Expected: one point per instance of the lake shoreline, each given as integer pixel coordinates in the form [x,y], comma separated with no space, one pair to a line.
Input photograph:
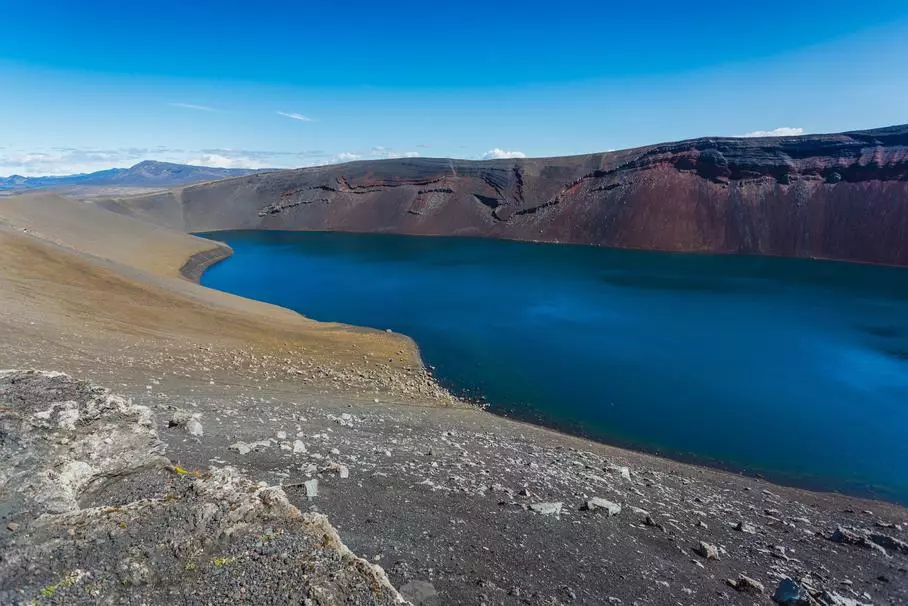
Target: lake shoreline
[417,267]
[196,265]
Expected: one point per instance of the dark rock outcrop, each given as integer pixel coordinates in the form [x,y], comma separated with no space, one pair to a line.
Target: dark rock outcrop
[841,196]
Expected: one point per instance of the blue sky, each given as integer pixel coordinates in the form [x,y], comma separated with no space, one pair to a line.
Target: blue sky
[90,85]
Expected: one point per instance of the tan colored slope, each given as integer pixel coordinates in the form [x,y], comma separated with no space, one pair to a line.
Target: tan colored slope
[80,284]
[91,230]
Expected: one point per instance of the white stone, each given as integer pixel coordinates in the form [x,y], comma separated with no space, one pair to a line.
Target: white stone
[547,509]
[240,447]
[609,507]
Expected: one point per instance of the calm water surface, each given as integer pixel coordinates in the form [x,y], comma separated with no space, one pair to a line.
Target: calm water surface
[793,369]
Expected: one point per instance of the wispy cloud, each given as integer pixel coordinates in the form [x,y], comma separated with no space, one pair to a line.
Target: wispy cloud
[200,108]
[784,131]
[295,116]
[346,157]
[219,161]
[380,152]
[502,154]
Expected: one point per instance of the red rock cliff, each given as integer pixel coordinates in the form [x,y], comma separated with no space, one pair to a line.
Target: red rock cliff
[842,196]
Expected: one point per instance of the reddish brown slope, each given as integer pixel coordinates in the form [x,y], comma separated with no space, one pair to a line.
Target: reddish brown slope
[840,196]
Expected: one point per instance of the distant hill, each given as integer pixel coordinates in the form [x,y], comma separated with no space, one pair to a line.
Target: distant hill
[144,174]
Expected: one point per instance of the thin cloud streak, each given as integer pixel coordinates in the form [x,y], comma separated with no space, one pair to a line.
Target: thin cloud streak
[193,106]
[295,116]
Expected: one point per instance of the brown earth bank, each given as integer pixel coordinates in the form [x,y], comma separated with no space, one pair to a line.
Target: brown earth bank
[839,196]
[254,456]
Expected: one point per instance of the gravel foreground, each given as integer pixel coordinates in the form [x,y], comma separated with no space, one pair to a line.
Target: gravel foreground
[454,507]
[95,514]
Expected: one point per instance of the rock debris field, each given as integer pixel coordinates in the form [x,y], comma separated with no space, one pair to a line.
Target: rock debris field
[259,498]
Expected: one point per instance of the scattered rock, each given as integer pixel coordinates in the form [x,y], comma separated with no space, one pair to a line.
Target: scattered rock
[849,537]
[240,447]
[547,509]
[186,420]
[12,527]
[778,551]
[609,507]
[419,593]
[649,521]
[889,542]
[830,598]
[789,593]
[621,470]
[298,447]
[311,488]
[743,526]
[342,471]
[746,584]
[705,550]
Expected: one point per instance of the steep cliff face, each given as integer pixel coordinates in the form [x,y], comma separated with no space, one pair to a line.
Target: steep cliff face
[841,196]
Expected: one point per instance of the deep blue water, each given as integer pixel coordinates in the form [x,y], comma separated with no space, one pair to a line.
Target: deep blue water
[793,369]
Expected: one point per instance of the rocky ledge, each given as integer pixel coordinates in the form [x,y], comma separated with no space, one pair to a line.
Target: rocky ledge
[94,513]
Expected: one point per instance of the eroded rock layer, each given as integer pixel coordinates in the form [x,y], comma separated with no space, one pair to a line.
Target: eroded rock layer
[842,196]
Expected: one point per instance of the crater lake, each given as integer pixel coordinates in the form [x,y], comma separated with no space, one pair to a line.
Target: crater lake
[793,369]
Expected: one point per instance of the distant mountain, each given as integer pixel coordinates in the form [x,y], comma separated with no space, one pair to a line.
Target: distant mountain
[144,174]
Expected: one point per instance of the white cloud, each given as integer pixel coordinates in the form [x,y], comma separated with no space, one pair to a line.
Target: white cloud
[295,116]
[57,161]
[784,131]
[201,108]
[501,154]
[219,161]
[346,157]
